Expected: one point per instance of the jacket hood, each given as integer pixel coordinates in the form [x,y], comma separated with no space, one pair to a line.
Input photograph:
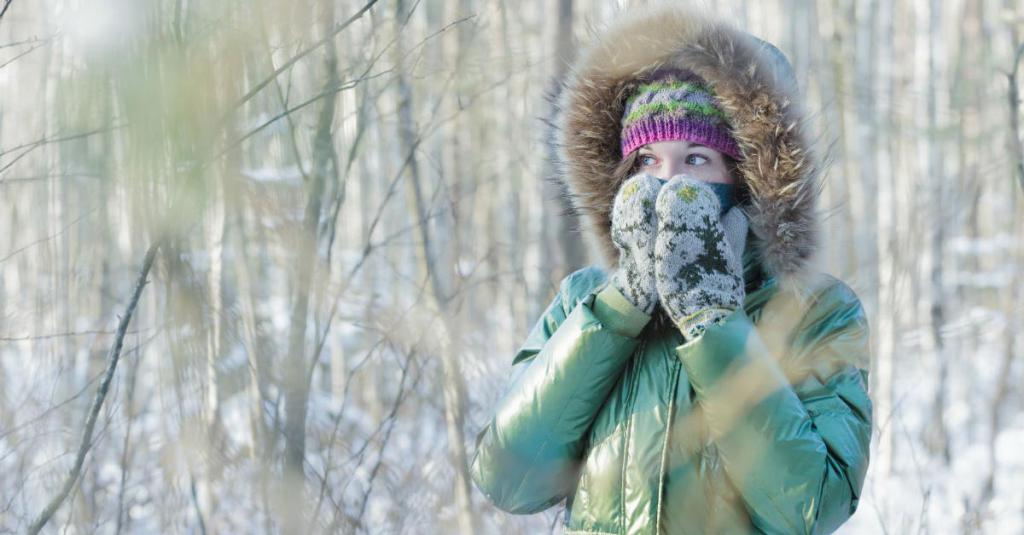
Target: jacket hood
[755,87]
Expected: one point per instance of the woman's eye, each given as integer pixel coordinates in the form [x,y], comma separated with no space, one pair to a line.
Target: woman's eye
[696,159]
[646,159]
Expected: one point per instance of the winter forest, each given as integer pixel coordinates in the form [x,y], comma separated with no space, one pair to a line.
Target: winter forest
[264,265]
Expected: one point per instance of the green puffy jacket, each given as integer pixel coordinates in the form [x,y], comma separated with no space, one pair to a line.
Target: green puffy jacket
[760,425]
[645,435]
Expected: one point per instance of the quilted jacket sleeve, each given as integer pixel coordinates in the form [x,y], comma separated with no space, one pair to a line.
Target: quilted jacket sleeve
[528,455]
[793,431]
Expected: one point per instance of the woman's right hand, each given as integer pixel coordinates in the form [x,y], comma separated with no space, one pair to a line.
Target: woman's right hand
[634,230]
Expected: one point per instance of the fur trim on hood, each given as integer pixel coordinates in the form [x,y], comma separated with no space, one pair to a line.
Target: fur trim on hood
[755,87]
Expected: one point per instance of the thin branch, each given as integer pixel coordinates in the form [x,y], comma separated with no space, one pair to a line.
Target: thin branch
[101,394]
[338,88]
[126,452]
[28,41]
[48,238]
[7,4]
[33,420]
[19,56]
[38,178]
[315,98]
[286,65]
[29,147]
[392,418]
[63,335]
[195,503]
[1014,97]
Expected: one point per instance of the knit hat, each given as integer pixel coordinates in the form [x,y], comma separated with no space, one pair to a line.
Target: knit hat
[675,105]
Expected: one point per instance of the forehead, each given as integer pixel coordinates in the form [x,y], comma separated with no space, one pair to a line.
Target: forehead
[668,147]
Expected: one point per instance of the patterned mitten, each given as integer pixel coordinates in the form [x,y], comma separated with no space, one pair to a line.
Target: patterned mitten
[634,227]
[698,273]
[736,224]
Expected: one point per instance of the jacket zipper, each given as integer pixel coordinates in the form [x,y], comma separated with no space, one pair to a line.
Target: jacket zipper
[669,419]
[631,396]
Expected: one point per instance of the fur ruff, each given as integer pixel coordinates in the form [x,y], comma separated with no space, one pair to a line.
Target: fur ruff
[752,82]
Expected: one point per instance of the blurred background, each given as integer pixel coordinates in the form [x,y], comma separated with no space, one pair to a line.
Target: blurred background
[341,214]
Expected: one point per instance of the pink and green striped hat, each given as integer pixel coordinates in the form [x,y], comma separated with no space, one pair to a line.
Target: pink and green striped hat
[676,105]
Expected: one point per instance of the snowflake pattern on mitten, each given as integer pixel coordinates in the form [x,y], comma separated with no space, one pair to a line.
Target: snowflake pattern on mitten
[698,274]
[634,227]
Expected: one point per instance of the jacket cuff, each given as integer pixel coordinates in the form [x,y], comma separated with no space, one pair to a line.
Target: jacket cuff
[618,314]
[726,347]
[695,324]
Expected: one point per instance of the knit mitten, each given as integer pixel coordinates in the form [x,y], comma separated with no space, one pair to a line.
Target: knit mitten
[736,224]
[698,273]
[634,227]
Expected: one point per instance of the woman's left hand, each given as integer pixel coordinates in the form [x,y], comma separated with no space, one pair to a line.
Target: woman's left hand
[698,274]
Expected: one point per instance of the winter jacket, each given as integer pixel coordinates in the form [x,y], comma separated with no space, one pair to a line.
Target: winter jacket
[760,425]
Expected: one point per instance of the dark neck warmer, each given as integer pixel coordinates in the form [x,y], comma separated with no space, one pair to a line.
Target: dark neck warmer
[726,195]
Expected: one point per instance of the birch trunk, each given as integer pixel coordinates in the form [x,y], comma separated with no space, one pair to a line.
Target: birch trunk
[440,278]
[886,208]
[297,375]
[937,436]
[563,246]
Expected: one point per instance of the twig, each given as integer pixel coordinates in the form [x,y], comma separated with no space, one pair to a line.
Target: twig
[50,237]
[32,421]
[195,503]
[62,335]
[337,88]
[19,56]
[7,4]
[316,98]
[27,148]
[286,65]
[101,394]
[389,420]
[1014,97]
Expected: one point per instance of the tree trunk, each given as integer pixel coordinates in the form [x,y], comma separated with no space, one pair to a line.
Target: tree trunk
[296,376]
[563,245]
[936,435]
[439,295]
[886,208]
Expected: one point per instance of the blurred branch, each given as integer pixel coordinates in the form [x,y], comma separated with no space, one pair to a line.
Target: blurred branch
[50,237]
[3,11]
[101,394]
[29,147]
[391,419]
[1003,385]
[283,98]
[40,178]
[296,382]
[387,422]
[334,89]
[312,100]
[286,65]
[19,56]
[62,335]
[386,334]
[126,451]
[1014,97]
[24,42]
[195,503]
[38,418]
[31,421]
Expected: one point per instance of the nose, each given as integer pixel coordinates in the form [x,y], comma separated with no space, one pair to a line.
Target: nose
[675,167]
[669,168]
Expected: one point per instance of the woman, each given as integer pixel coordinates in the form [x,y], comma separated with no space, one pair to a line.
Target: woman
[703,378]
